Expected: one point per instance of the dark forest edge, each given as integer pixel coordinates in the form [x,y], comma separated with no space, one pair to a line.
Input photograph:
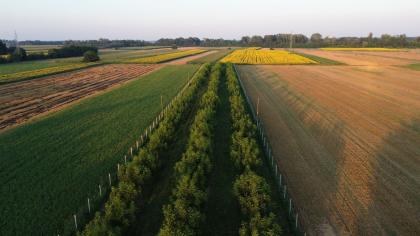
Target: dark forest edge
[281,40]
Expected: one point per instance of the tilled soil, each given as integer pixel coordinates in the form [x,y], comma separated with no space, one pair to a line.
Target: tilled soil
[348,140]
[360,58]
[23,100]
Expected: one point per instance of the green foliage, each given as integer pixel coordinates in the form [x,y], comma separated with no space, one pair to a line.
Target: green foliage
[120,208]
[252,190]
[90,56]
[59,160]
[182,216]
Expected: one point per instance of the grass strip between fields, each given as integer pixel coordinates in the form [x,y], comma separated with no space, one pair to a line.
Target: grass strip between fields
[320,60]
[60,159]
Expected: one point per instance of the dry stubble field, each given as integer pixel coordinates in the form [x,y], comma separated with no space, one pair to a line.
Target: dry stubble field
[347,139]
[21,101]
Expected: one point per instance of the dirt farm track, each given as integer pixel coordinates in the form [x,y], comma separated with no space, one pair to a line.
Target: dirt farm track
[21,101]
[348,140]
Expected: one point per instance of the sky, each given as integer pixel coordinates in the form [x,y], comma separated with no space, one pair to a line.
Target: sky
[229,19]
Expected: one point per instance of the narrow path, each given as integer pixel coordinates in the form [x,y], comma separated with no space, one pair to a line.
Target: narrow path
[222,209]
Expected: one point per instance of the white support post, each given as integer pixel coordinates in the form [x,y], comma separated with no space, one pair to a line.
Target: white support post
[276,169]
[280,180]
[75,221]
[290,206]
[118,167]
[296,222]
[131,151]
[109,178]
[89,205]
[100,190]
[137,145]
[125,159]
[284,191]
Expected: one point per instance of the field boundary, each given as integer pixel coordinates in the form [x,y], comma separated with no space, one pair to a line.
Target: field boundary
[95,203]
[293,212]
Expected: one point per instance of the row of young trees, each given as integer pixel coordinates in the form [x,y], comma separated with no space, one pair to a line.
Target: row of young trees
[182,216]
[120,208]
[251,189]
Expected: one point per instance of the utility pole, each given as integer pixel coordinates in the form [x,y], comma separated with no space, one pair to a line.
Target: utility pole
[291,41]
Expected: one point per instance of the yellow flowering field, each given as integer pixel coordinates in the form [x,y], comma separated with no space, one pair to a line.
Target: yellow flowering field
[364,49]
[4,78]
[266,57]
[166,57]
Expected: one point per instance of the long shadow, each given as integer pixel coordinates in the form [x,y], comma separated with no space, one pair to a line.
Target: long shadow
[395,188]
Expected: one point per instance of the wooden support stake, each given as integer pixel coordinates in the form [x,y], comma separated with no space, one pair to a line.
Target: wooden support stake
[296,223]
[258,106]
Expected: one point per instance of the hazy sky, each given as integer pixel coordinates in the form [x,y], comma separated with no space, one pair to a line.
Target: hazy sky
[153,19]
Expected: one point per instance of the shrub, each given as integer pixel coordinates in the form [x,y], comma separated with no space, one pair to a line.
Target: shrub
[90,56]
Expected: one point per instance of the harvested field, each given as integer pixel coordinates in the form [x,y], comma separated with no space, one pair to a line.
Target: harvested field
[185,60]
[366,58]
[348,140]
[21,101]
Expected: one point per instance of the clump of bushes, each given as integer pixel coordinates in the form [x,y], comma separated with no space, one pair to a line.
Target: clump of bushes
[252,190]
[182,216]
[90,56]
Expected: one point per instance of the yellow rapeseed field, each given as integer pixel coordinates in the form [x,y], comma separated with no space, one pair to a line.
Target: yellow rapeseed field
[364,49]
[166,57]
[42,72]
[266,57]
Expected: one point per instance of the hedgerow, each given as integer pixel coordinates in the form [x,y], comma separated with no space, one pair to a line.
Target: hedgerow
[252,190]
[182,216]
[120,208]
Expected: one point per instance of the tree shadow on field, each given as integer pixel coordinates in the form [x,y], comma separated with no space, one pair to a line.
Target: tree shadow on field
[395,189]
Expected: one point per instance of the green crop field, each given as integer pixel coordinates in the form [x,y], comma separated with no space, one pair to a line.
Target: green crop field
[52,164]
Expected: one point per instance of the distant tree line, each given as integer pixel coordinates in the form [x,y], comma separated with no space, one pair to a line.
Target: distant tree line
[13,53]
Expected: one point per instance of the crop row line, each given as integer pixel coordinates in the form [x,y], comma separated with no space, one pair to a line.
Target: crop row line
[280,179]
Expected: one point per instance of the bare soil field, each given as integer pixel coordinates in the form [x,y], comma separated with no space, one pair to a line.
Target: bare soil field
[21,101]
[367,58]
[185,60]
[348,140]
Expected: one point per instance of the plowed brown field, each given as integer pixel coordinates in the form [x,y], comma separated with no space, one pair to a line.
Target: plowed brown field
[367,58]
[348,140]
[23,100]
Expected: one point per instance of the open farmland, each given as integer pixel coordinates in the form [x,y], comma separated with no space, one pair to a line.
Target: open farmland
[366,58]
[347,139]
[185,60]
[52,164]
[13,72]
[263,56]
[167,57]
[23,100]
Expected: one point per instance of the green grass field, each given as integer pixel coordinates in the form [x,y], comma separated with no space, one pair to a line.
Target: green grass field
[320,60]
[212,57]
[52,164]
